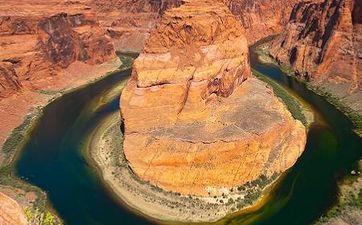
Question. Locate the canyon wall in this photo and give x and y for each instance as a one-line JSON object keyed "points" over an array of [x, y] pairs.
{"points": [[129, 22], [261, 18], [196, 121], [39, 40], [33, 53], [323, 43]]}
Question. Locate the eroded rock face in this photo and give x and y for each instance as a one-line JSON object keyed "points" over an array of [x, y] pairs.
{"points": [[39, 39], [323, 42], [261, 18], [195, 119], [129, 22], [10, 212]]}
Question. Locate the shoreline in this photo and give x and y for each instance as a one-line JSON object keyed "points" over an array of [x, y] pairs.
{"points": [[320, 89], [348, 209], [299, 108], [152, 202], [32, 199], [104, 151]]}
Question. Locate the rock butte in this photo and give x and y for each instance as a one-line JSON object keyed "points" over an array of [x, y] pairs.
{"points": [[10, 211], [195, 119]]}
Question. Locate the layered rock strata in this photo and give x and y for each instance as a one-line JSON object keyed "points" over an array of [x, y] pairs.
{"points": [[47, 47], [323, 42], [128, 22], [40, 40], [195, 119], [261, 18]]}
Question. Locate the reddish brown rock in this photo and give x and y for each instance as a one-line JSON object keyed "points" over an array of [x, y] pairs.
{"points": [[195, 119], [47, 47], [10, 212], [261, 18], [323, 42], [39, 40], [129, 22]]}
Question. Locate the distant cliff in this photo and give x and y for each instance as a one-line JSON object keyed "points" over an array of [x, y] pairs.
{"points": [[41, 39], [129, 22], [261, 18], [323, 42]]}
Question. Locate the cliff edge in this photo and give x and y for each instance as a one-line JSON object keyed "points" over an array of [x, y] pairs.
{"points": [[196, 121]]}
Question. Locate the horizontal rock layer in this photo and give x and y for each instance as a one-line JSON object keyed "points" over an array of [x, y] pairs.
{"points": [[40, 39], [195, 120], [128, 22], [323, 42], [261, 18]]}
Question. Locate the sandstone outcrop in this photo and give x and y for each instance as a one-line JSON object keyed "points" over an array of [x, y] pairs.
{"points": [[196, 121], [261, 18], [10, 212], [41, 39], [323, 42]]}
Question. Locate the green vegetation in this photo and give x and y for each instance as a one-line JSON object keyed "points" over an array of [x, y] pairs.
{"points": [[253, 190], [266, 57], [291, 102], [349, 201], [35, 216], [126, 60], [17, 136], [37, 212], [353, 116]]}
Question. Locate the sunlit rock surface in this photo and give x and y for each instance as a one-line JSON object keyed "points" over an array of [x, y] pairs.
{"points": [[195, 119]]}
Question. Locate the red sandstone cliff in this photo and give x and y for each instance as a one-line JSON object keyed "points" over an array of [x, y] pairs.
{"points": [[323, 42], [41, 39], [261, 18], [129, 22]]}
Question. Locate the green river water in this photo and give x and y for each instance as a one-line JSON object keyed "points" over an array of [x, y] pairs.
{"points": [[53, 160]]}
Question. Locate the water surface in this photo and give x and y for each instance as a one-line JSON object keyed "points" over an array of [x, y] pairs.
{"points": [[53, 160]]}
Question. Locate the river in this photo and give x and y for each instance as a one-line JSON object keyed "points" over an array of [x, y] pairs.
{"points": [[54, 160]]}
